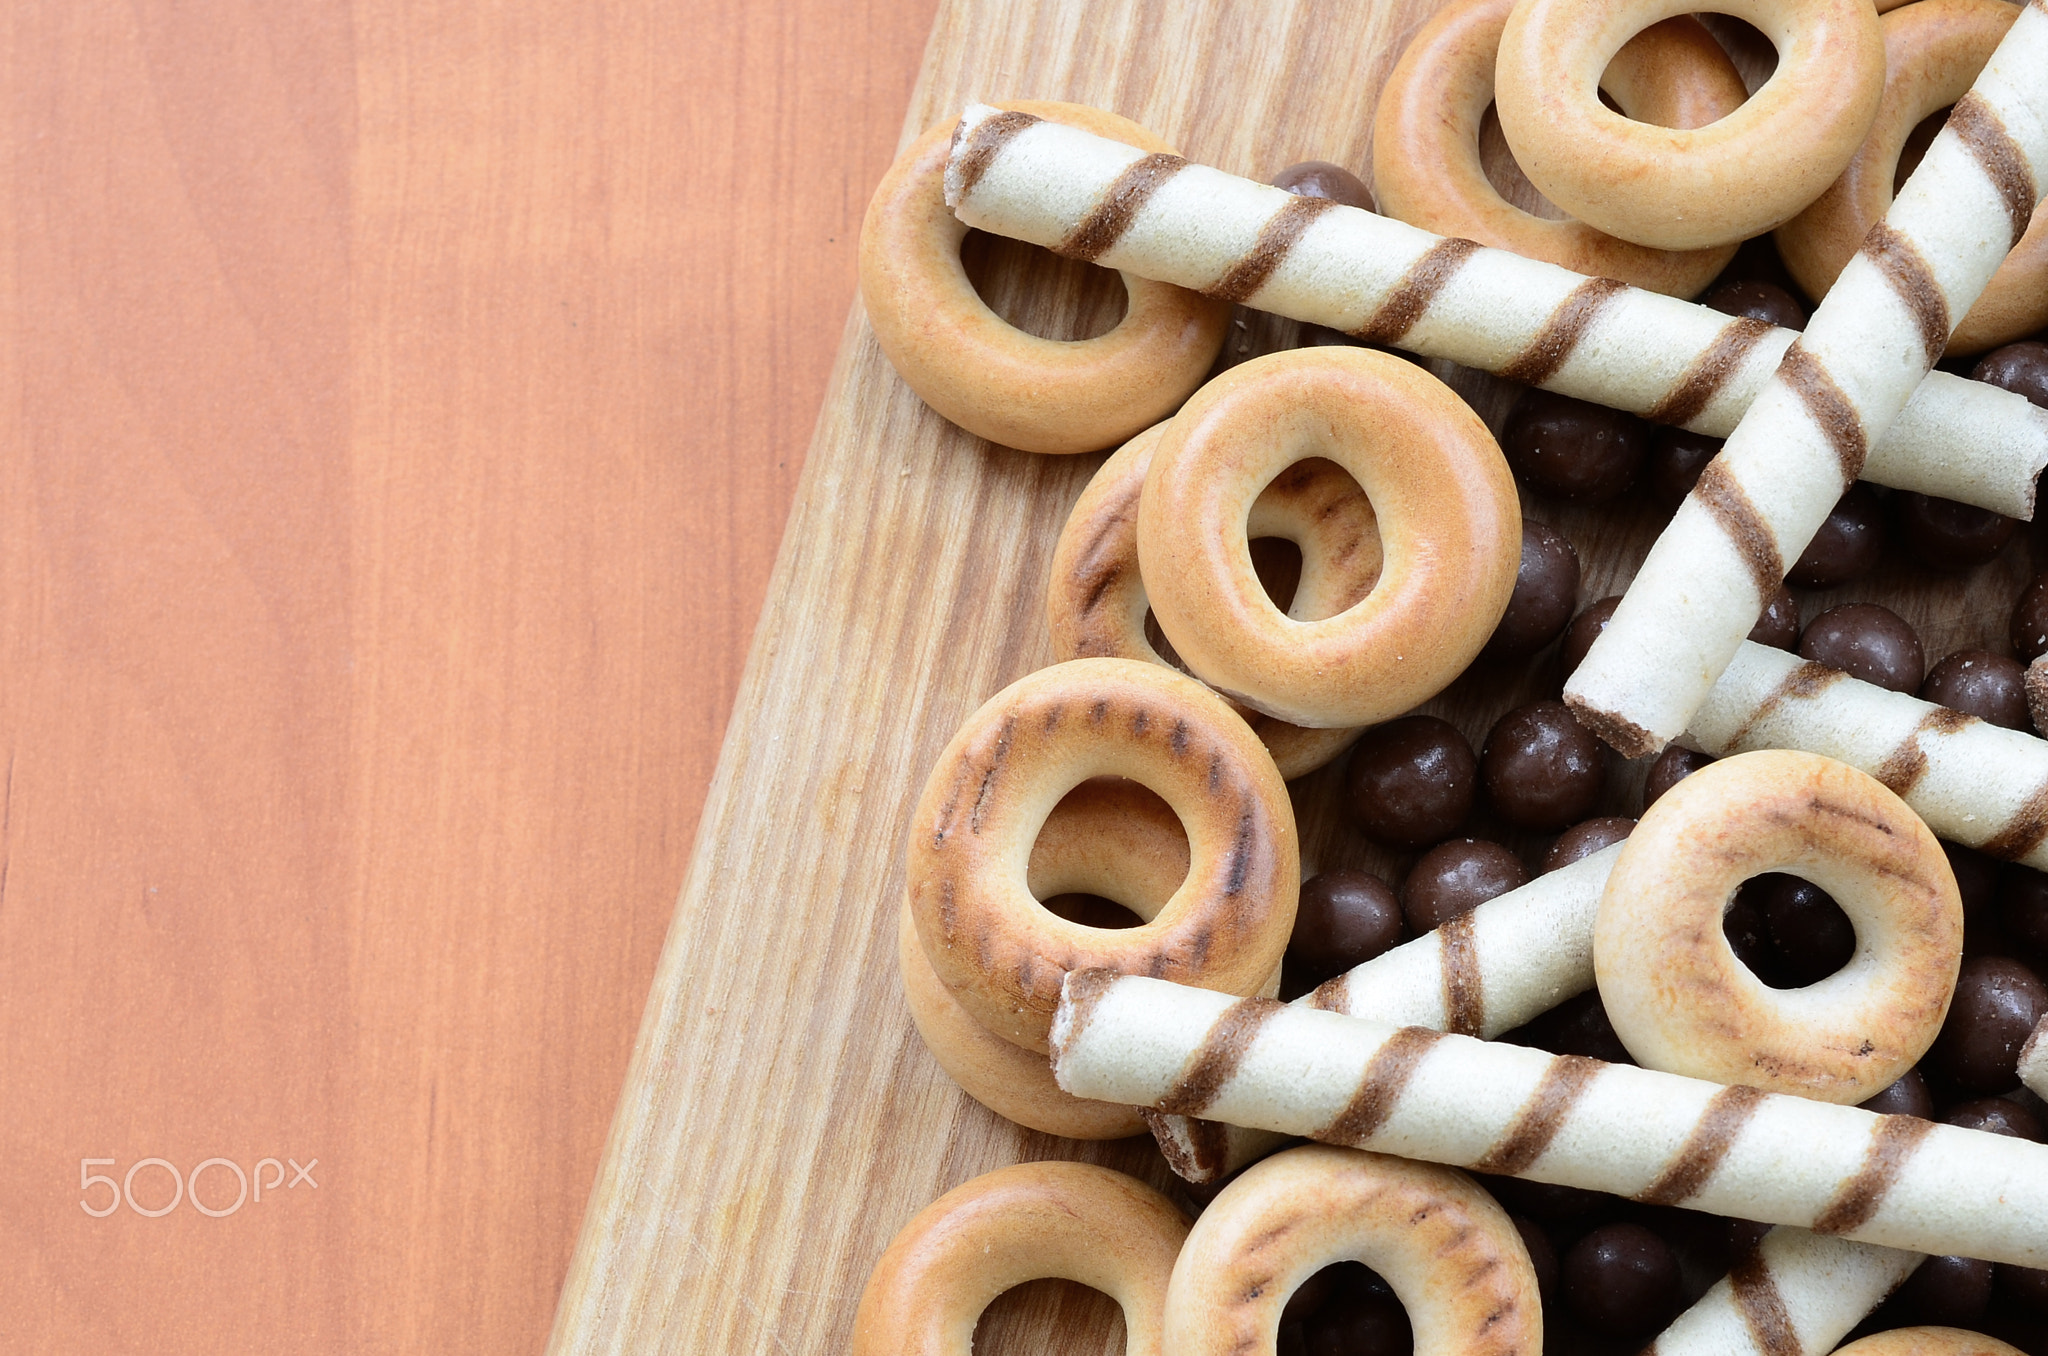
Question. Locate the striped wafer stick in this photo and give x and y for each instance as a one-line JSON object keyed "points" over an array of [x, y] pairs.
{"points": [[1898, 1181], [1974, 783], [2034, 1061], [1512, 959], [1796, 1291], [1871, 340], [1309, 259]]}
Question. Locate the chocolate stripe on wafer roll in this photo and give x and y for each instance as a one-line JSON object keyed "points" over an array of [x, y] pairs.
{"points": [[1508, 961], [1391, 283], [1941, 1189], [1836, 392], [1975, 783], [1795, 1292]]}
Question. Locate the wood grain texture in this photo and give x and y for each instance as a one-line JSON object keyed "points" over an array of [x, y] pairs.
{"points": [[780, 1119], [401, 405]]}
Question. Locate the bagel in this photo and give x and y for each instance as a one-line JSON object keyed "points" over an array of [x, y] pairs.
{"points": [[1933, 52], [1096, 603], [1000, 952], [1425, 141], [1687, 188], [1449, 523], [985, 374], [1681, 1001]]}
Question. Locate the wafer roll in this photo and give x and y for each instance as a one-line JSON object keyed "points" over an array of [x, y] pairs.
{"points": [[2034, 1061], [1160, 217], [1869, 344], [1656, 1137], [1796, 1291], [1974, 783], [1508, 961]]}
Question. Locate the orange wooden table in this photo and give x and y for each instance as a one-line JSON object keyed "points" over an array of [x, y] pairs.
{"points": [[401, 404]]}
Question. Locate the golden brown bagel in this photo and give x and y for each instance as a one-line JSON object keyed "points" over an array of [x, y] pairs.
{"points": [[992, 944], [1453, 1257], [1685, 189], [1928, 1341], [1425, 141], [1107, 837], [1096, 602], [1933, 51], [1681, 1001], [1017, 1224], [985, 374], [1449, 522]]}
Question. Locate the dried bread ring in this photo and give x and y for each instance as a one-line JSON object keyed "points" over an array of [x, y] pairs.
{"points": [[1685, 189], [1106, 837], [1449, 522], [1000, 952], [1022, 1223], [1425, 141], [985, 374], [1096, 603], [1928, 1341], [1680, 1000], [1453, 1257], [1933, 52]]}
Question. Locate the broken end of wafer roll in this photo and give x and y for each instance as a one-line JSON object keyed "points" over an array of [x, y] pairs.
{"points": [[1618, 732], [2037, 692], [2034, 1061]]}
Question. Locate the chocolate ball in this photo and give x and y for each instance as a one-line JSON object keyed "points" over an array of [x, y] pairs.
{"points": [[1312, 1294], [1546, 591], [2022, 915], [1542, 769], [1321, 179], [1908, 1096], [1345, 919], [1997, 1003], [1455, 878], [1778, 626], [1673, 766], [1543, 1201], [1848, 544], [1584, 839], [1411, 781], [1998, 1116], [1542, 1255], [1749, 937], [1810, 934], [1580, 1026], [1573, 449], [2021, 368], [1363, 1318], [1757, 301], [2029, 630], [1584, 630], [1622, 1280], [1979, 880], [1676, 459], [2026, 1287], [1868, 642], [1982, 684], [1950, 1292], [1951, 536]]}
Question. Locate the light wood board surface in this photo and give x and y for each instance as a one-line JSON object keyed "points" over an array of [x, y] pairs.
{"points": [[781, 1119], [399, 406]]}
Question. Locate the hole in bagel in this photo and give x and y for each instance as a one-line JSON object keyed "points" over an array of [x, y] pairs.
{"points": [[1506, 175], [1041, 293], [1110, 848], [1346, 1307], [1917, 141], [1049, 1315], [1788, 931], [1754, 55]]}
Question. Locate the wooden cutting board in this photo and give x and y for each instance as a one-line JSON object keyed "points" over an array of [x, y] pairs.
{"points": [[781, 1119]]}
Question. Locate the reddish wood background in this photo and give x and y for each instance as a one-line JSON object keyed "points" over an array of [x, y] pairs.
{"points": [[400, 406]]}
